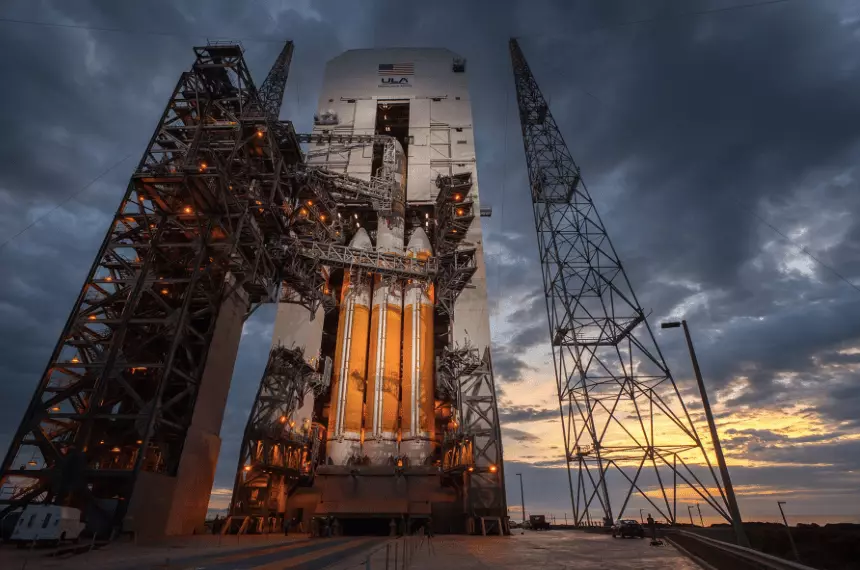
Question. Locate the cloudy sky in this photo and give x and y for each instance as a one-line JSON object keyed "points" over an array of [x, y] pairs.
{"points": [[719, 143]]}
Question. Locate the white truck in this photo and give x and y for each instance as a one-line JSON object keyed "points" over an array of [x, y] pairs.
{"points": [[47, 523]]}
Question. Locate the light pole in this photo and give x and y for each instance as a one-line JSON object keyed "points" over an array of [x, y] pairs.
{"points": [[788, 530], [522, 496], [735, 512], [690, 512], [701, 520], [641, 518]]}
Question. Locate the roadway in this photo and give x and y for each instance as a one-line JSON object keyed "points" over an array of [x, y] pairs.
{"points": [[203, 553], [557, 549]]}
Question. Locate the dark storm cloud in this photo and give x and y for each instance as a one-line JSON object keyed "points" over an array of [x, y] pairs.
{"points": [[519, 435], [686, 129], [509, 367], [514, 414]]}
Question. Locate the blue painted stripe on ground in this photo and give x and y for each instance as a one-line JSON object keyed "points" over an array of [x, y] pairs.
{"points": [[202, 558], [323, 561], [284, 555]]}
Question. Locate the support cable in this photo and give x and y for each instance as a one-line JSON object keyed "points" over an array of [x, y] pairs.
{"points": [[65, 200]]}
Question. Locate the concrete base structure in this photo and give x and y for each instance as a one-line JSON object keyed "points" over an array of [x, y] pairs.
{"points": [[365, 499], [162, 505]]}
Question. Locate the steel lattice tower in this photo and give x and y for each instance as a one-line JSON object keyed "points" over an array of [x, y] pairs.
{"points": [[192, 247], [272, 89], [622, 414]]}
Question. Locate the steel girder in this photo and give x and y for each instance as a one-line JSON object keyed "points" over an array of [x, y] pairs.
{"points": [[199, 221], [474, 447], [276, 454], [614, 387], [272, 89]]}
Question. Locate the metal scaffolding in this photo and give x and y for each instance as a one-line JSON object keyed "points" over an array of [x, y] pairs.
{"points": [[277, 454], [272, 89], [192, 232], [474, 447], [614, 387], [222, 214]]}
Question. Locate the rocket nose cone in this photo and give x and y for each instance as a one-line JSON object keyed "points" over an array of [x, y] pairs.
{"points": [[418, 242], [361, 240]]}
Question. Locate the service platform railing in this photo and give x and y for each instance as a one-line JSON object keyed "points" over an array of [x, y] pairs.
{"points": [[398, 554], [726, 554]]}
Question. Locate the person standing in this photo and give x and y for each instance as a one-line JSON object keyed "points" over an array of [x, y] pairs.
{"points": [[652, 527]]}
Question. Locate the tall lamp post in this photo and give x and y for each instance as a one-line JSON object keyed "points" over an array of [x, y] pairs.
{"points": [[690, 512], [522, 496], [701, 520], [641, 519], [737, 523], [788, 530]]}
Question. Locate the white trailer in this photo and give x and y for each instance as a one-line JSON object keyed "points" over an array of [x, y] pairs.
{"points": [[50, 523]]}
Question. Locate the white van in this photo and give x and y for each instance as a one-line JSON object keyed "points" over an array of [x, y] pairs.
{"points": [[48, 523]]}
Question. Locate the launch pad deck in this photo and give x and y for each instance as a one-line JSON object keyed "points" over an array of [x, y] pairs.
{"points": [[563, 549]]}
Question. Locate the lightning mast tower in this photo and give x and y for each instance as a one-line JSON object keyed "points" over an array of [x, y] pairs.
{"points": [[622, 414]]}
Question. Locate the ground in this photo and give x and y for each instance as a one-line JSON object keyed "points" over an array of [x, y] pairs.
{"points": [[557, 549]]}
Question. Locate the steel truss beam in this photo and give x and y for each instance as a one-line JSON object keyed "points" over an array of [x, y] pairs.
{"points": [[386, 264], [276, 454], [474, 447], [621, 411], [195, 227], [272, 89]]}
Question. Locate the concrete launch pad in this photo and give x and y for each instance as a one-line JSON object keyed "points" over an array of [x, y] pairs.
{"points": [[561, 549], [557, 549]]}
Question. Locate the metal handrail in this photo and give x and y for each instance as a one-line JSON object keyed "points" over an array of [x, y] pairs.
{"points": [[765, 560], [398, 555]]}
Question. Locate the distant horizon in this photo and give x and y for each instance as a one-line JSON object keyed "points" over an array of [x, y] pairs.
{"points": [[793, 521]]}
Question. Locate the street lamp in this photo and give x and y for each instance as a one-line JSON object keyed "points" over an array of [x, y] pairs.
{"points": [[700, 515], [788, 530], [522, 497], [641, 519], [737, 523], [690, 512]]}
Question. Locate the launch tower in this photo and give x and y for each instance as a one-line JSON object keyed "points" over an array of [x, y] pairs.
{"points": [[373, 406], [407, 402]]}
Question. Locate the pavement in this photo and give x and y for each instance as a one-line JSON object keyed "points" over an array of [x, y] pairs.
{"points": [[557, 549], [270, 552]]}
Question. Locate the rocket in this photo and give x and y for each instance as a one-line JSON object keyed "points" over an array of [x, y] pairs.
{"points": [[349, 377], [383, 389], [418, 398], [384, 344]]}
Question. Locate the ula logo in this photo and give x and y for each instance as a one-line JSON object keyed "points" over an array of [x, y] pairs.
{"points": [[394, 80]]}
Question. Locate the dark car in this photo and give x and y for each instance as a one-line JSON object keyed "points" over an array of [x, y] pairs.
{"points": [[627, 527], [538, 522]]}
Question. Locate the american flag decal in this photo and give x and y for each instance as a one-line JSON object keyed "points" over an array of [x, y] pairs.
{"points": [[399, 69]]}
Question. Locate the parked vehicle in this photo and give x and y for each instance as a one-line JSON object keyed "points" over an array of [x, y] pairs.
{"points": [[538, 522], [627, 527], [48, 523]]}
